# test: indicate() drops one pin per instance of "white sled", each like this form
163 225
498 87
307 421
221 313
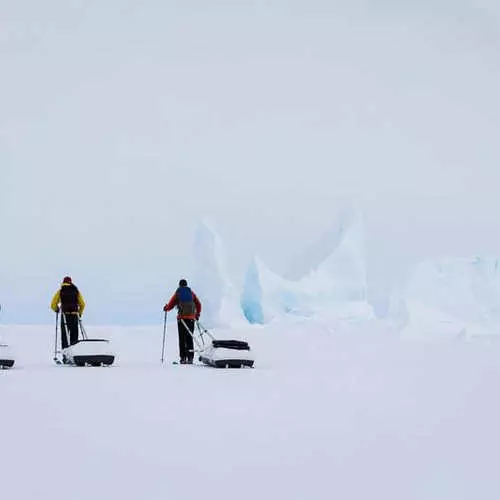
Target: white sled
88 352
222 353
6 357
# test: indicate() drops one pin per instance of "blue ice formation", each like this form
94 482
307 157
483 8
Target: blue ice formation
251 299
266 295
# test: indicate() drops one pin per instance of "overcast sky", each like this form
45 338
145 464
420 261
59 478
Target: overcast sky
123 123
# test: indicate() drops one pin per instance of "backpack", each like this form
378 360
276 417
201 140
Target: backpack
185 301
69 298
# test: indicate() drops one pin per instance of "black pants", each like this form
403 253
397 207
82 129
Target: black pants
71 321
185 339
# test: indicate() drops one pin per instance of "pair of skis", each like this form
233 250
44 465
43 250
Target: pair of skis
178 363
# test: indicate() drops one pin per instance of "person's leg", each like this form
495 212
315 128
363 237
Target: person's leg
72 320
64 334
182 341
189 340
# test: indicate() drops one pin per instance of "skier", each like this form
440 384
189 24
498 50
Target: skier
69 301
189 309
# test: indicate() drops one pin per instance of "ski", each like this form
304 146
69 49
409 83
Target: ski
176 363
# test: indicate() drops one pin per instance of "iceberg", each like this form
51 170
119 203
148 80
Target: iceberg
267 296
336 262
397 314
455 296
211 281
330 280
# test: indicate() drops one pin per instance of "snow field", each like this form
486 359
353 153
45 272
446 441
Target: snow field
325 414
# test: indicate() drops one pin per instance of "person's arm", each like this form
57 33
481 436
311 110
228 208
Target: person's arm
197 303
171 303
54 305
81 303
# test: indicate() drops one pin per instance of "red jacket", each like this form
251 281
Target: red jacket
173 303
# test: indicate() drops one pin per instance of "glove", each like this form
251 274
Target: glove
197 317
56 310
165 308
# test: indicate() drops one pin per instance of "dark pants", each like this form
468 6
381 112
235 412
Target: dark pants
185 339
71 321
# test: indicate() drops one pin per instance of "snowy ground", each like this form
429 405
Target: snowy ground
324 415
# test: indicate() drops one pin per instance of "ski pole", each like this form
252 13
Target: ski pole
164 336
55 342
84 333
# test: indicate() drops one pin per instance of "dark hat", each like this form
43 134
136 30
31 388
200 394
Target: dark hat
183 282
67 279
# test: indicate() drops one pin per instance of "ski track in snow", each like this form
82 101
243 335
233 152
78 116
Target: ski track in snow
324 415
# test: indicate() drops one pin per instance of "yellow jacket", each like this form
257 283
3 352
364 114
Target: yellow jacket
57 298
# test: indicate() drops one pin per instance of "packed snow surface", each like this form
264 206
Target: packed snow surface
326 414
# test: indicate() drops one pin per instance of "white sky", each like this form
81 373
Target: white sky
123 123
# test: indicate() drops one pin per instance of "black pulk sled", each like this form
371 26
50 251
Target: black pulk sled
87 352
220 353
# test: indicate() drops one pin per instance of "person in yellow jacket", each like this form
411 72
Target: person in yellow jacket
69 301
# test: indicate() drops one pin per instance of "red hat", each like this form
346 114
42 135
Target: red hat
67 279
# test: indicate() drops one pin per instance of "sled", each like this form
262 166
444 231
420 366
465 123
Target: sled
88 352
221 353
6 357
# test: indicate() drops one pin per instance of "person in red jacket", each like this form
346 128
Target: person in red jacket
189 310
